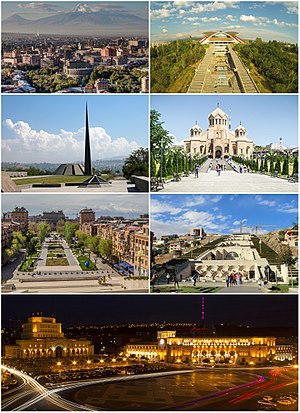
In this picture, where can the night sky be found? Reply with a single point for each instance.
(74, 310)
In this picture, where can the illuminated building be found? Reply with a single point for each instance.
(42, 337)
(206, 350)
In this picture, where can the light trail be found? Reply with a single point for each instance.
(68, 405)
(220, 393)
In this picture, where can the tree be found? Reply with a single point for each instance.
(93, 244)
(31, 246)
(137, 164)
(60, 226)
(285, 167)
(44, 230)
(105, 248)
(159, 137)
(286, 256)
(295, 166)
(278, 166)
(69, 231)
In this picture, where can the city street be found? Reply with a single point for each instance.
(7, 270)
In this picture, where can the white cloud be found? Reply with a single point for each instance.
(29, 145)
(38, 6)
(259, 200)
(288, 208)
(291, 7)
(164, 30)
(216, 198)
(158, 208)
(262, 21)
(249, 18)
(194, 201)
(230, 17)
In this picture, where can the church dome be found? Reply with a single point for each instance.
(218, 111)
(196, 128)
(241, 127)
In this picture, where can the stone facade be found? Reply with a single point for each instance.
(219, 140)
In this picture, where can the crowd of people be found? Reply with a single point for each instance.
(234, 279)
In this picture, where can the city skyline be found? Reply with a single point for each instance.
(178, 214)
(267, 20)
(241, 309)
(56, 133)
(179, 114)
(75, 18)
(102, 204)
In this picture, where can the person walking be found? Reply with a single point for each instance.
(195, 279)
(196, 170)
(168, 278)
(219, 169)
(176, 281)
(227, 278)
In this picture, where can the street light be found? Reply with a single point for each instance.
(140, 255)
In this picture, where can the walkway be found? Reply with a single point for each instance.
(231, 182)
(73, 263)
(222, 72)
(246, 80)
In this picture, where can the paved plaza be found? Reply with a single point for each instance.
(116, 186)
(231, 182)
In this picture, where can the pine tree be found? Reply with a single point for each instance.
(285, 167)
(278, 166)
(295, 166)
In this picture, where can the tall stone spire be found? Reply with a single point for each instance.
(87, 152)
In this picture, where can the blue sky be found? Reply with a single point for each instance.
(51, 128)
(178, 214)
(270, 20)
(266, 118)
(35, 9)
(119, 205)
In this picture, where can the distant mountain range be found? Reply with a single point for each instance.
(82, 20)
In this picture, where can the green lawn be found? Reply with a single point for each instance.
(82, 259)
(26, 265)
(197, 251)
(281, 288)
(53, 262)
(54, 179)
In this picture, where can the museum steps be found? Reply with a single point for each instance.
(246, 80)
(197, 85)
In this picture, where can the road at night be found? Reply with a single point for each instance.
(204, 389)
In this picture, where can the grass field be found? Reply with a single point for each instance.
(55, 262)
(54, 179)
(82, 259)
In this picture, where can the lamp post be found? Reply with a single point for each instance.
(140, 255)
(161, 160)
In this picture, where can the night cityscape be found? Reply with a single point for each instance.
(122, 351)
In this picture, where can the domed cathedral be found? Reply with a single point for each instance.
(219, 141)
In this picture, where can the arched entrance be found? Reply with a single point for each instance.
(218, 152)
(58, 352)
